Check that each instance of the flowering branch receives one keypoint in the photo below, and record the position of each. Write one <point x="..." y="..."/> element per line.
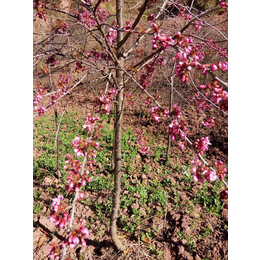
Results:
<point x="73" y="210"/>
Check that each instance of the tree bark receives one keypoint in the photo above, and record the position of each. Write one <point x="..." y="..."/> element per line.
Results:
<point x="118" y="130"/>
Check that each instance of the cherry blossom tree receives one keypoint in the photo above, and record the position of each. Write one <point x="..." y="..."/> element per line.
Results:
<point x="119" y="47"/>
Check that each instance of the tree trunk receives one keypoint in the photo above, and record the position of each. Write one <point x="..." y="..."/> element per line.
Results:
<point x="118" y="130"/>
<point x="170" y="110"/>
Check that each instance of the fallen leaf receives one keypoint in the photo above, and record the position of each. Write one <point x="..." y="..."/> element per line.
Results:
<point x="127" y="251"/>
<point x="147" y="240"/>
<point x="45" y="232"/>
<point x="41" y="240"/>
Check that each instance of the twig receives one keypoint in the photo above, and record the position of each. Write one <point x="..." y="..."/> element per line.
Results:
<point x="58" y="128"/>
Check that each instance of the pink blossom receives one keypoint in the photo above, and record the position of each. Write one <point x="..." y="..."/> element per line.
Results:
<point x="37" y="99"/>
<point x="221" y="169"/>
<point x="54" y="250"/>
<point x="187" y="49"/>
<point x="198" y="25"/>
<point x="202" y="144"/>
<point x="155" y="46"/>
<point x="224" y="95"/>
<point x="111" y="35"/>
<point x="40" y="110"/>
<point x="211" y="175"/>
<point x="201" y="173"/>
<point x="153" y="112"/>
<point x="128" y="26"/>
<point x="90" y="123"/>
<point x="181" y="145"/>
<point x="59" y="215"/>
<point x="181" y="55"/>
<point x="214" y="67"/>
<point x="223" y="66"/>
<point x="77" y="236"/>
<point x="210" y="122"/>
<point x="176" y="111"/>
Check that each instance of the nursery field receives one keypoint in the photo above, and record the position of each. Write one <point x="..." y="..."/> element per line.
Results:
<point x="163" y="213"/>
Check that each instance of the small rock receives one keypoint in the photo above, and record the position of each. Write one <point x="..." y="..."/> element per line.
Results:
<point x="44" y="221"/>
<point x="166" y="253"/>
<point x="47" y="181"/>
<point x="181" y="249"/>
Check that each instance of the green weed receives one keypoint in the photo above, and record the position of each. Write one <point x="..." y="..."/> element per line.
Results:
<point x="37" y="208"/>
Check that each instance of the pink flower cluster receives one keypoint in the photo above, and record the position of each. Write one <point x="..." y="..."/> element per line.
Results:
<point x="217" y="94"/>
<point x="86" y="18"/>
<point x="102" y="14"/>
<point x="36" y="100"/>
<point x="224" y="197"/>
<point x="77" y="236"/>
<point x="188" y="58"/>
<point x="39" y="7"/>
<point x="128" y="27"/>
<point x="224" y="6"/>
<point x="61" y="89"/>
<point x="202" y="173"/>
<point x="111" y="35"/>
<point x="213" y="67"/>
<point x="198" y="102"/>
<point x="61" y="27"/>
<point x="104" y="101"/>
<point x="75" y="179"/>
<point x="98" y="56"/>
<point x="146" y="77"/>
<point x="177" y="127"/>
<point x="155" y="113"/>
<point x="63" y="83"/>
<point x="84" y="147"/>
<point x="54" y="250"/>
<point x="160" y="39"/>
<point x="210" y="122"/>
<point x="60" y="214"/>
<point x="143" y="147"/>
<point x="198" y="25"/>
<point x="183" y="13"/>
<point x="40" y="110"/>
<point x="202" y="144"/>
<point x="90" y="123"/>
<point x="221" y="169"/>
<point x="176" y="111"/>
